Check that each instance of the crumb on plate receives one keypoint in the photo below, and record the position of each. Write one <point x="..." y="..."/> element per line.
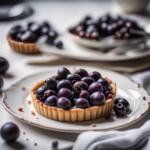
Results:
<point x="32" y="112"/>
<point x="55" y="143"/>
<point x="23" y="88"/>
<point x="20" y="109"/>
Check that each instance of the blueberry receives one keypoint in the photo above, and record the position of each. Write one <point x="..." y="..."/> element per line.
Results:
<point x="63" y="72"/>
<point x="105" y="83"/>
<point x="82" y="103"/>
<point x="124" y="102"/>
<point x="104" y="27"/>
<point x="95" y="35"/>
<point x="110" y="30"/>
<point x="65" y="93"/>
<point x="84" y="94"/>
<point x="18" y="36"/>
<point x="44" y="30"/>
<point x="95" y="87"/>
<point x="64" y="103"/>
<point x="64" y="84"/>
<point x="40" y="91"/>
<point x="52" y="35"/>
<point x="79" y="29"/>
<point x="35" y="28"/>
<point x="23" y="29"/>
<point x="10" y="132"/>
<point x="58" y="44"/>
<point x="50" y="83"/>
<point x="91" y="28"/>
<point x="88" y="80"/>
<point x="97" y="98"/>
<point x="28" y="36"/>
<point x="1" y="82"/>
<point x="49" y="93"/>
<point x="73" y="77"/>
<point x="51" y="101"/>
<point x="95" y="75"/>
<point x="45" y="24"/>
<point x="119" y="109"/>
<point x="4" y="65"/>
<point x="79" y="86"/>
<point x="13" y="33"/>
<point x="109" y="94"/>
<point x="91" y="22"/>
<point x="57" y="77"/>
<point x="82" y="73"/>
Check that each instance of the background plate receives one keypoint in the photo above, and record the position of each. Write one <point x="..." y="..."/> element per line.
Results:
<point x="15" y="98"/>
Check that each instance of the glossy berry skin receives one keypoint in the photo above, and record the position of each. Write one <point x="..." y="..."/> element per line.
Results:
<point x="44" y="30"/>
<point x="82" y="103"/>
<point x="63" y="72"/>
<point x="35" y="28"/>
<point x="64" y="84"/>
<point x="58" y="44"/>
<point x="88" y="80"/>
<point x="124" y="102"/>
<point x="97" y="98"/>
<point x="45" y="24"/>
<point x="13" y="33"/>
<point x="1" y="82"/>
<point x="95" y="87"/>
<point x="50" y="83"/>
<point x="119" y="109"/>
<point x="105" y="83"/>
<point x="91" y="28"/>
<point x="84" y="94"/>
<point x="4" y="65"/>
<point x="10" y="132"/>
<point x="64" y="103"/>
<point x="49" y="93"/>
<point x="40" y="91"/>
<point x="52" y="35"/>
<point x="79" y="86"/>
<point x="72" y="77"/>
<point x="27" y="37"/>
<point x="95" y="75"/>
<point x="57" y="77"/>
<point x="82" y="73"/>
<point x="65" y="93"/>
<point x="51" y="101"/>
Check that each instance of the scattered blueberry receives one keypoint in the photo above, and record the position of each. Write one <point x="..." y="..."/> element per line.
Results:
<point x="4" y="65"/>
<point x="119" y="109"/>
<point x="58" y="44"/>
<point x="10" y="132"/>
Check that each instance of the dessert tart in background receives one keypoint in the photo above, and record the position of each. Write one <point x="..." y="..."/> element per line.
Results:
<point x="74" y="97"/>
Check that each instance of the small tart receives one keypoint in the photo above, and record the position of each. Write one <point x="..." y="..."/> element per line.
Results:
<point x="73" y="114"/>
<point x="25" y="48"/>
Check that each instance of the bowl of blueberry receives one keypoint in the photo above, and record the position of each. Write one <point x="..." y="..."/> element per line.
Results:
<point x="77" y="96"/>
<point x="106" y="32"/>
<point x="23" y="39"/>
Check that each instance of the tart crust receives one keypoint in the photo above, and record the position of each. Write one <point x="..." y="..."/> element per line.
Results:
<point x="20" y="47"/>
<point x="74" y="114"/>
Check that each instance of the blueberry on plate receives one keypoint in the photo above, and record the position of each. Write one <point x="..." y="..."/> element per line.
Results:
<point x="95" y="75"/>
<point x="119" y="109"/>
<point x="58" y="44"/>
<point x="88" y="80"/>
<point x="72" y="77"/>
<point x="63" y="72"/>
<point x="84" y="94"/>
<point x="82" y="73"/>
<point x="50" y="83"/>
<point x="105" y="83"/>
<point x="95" y="87"/>
<point x="124" y="102"/>
<point x="10" y="132"/>
<point x="63" y="92"/>
<point x="97" y="98"/>
<point x="64" y="84"/>
<point x="79" y="86"/>
<point x="40" y="91"/>
<point x="4" y="65"/>
<point x="51" y="101"/>
<point x="52" y="35"/>
<point x="82" y="103"/>
<point x="64" y="103"/>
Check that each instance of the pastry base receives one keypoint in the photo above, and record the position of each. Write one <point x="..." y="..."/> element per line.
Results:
<point x="74" y="114"/>
<point x="20" y="47"/>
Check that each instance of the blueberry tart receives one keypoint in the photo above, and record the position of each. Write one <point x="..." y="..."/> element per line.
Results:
<point x="74" y="97"/>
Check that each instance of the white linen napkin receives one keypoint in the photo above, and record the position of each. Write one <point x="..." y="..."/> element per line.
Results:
<point x="135" y="139"/>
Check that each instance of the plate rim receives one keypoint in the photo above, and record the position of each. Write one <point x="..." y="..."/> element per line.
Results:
<point x="64" y="130"/>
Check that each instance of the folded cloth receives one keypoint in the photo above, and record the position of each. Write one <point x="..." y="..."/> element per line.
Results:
<point x="135" y="139"/>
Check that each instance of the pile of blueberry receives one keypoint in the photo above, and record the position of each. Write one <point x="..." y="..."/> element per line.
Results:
<point x="106" y="25"/>
<point x="33" y="31"/>
<point x="4" y="65"/>
<point x="78" y="90"/>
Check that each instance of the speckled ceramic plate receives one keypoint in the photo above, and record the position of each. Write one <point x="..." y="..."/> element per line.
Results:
<point x="15" y="98"/>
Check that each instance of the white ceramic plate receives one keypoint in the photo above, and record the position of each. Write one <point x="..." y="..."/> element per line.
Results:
<point x="15" y="98"/>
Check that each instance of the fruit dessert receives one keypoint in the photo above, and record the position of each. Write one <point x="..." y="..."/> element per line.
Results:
<point x="74" y="97"/>
<point x="95" y="30"/>
<point x="23" y="39"/>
